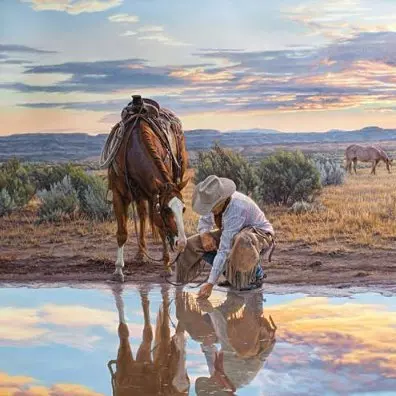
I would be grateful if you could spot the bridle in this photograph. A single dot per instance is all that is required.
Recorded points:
(161, 209)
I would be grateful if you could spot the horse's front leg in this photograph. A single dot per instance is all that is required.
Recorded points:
(144, 352)
(142, 250)
(165, 257)
(120, 206)
(373, 167)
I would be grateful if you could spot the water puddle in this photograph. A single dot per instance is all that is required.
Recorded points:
(157, 341)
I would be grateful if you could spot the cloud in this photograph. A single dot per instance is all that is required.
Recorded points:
(128, 33)
(123, 18)
(348, 335)
(150, 29)
(359, 72)
(163, 38)
(15, 62)
(104, 105)
(342, 18)
(15, 48)
(107, 76)
(12, 385)
(36, 326)
(73, 7)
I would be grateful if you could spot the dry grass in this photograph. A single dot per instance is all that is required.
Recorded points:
(360, 213)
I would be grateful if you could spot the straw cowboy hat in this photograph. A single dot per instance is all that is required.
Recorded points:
(210, 192)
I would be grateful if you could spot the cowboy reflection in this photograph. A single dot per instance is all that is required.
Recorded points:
(245, 336)
(158, 369)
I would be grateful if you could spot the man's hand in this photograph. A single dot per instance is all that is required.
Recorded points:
(208, 242)
(205, 291)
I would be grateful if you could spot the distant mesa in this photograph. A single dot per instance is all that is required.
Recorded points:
(79, 146)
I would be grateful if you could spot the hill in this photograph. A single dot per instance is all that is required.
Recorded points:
(79, 146)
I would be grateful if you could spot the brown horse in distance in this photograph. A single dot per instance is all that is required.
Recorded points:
(356, 152)
(146, 165)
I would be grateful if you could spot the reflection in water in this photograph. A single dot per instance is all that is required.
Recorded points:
(160, 370)
(324, 345)
(245, 336)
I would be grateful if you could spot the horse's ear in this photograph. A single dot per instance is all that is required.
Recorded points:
(183, 183)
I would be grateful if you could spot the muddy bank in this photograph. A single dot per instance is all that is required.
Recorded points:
(291, 265)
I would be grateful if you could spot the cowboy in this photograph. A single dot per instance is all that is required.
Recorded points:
(235, 248)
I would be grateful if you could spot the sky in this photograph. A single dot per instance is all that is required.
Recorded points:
(290, 65)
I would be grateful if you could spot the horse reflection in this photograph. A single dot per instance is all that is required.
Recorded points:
(155, 371)
(245, 336)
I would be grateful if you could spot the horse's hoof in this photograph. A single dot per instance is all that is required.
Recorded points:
(117, 277)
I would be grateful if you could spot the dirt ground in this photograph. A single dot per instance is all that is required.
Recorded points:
(292, 264)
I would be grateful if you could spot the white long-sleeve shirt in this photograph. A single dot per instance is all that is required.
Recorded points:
(241, 212)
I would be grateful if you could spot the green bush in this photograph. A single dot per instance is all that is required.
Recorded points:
(59, 203)
(7, 204)
(94, 204)
(43, 177)
(226, 163)
(14, 178)
(288, 177)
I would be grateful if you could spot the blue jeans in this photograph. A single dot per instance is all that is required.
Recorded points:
(210, 256)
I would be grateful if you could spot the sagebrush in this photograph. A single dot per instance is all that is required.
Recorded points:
(331, 171)
(58, 203)
(287, 177)
(227, 163)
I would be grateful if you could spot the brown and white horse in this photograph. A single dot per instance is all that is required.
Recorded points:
(143, 172)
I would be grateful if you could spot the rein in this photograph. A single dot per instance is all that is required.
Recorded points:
(190, 280)
(138, 242)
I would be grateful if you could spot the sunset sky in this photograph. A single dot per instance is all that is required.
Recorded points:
(291, 65)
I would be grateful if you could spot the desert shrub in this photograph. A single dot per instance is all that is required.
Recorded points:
(94, 204)
(226, 163)
(14, 178)
(331, 171)
(7, 204)
(47, 176)
(59, 203)
(300, 207)
(43, 177)
(287, 177)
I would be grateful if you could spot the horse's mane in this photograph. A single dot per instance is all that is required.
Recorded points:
(384, 155)
(151, 142)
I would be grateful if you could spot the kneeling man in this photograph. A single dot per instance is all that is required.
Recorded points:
(234, 249)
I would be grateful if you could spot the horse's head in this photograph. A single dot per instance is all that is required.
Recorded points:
(169, 209)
